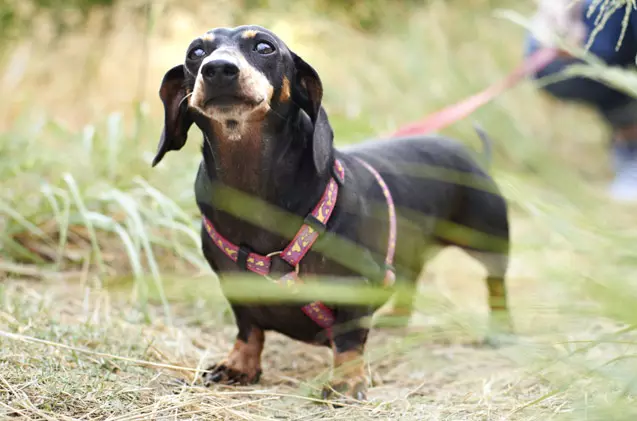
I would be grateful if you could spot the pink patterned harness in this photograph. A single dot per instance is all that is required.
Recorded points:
(313, 226)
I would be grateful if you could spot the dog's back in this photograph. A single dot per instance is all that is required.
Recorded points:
(437, 151)
(433, 175)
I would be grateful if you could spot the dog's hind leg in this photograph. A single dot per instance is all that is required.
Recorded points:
(484, 234)
(500, 330)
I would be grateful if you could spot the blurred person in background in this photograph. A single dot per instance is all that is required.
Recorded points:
(567, 21)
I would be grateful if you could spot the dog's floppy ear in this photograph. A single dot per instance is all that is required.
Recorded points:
(176, 119)
(308, 94)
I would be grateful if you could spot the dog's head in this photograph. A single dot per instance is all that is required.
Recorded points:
(236, 78)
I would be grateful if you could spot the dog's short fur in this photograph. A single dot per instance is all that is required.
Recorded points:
(266, 134)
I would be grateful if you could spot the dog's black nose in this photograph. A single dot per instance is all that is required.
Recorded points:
(220, 71)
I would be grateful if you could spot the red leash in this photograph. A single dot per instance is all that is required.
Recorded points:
(460, 110)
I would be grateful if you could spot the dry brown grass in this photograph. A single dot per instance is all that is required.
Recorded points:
(423, 378)
(80, 351)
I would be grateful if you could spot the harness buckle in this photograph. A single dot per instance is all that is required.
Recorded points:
(242, 256)
(313, 222)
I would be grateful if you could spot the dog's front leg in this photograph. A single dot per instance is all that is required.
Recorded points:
(243, 364)
(348, 378)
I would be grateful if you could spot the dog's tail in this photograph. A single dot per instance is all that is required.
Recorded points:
(487, 144)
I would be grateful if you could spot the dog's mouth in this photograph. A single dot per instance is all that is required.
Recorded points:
(230, 100)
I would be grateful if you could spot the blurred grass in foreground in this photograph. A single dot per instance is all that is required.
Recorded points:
(81, 210)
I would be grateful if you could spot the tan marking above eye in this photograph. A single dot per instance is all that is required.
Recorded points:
(208, 37)
(285, 90)
(250, 33)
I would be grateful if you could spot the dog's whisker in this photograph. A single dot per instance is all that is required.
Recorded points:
(185, 98)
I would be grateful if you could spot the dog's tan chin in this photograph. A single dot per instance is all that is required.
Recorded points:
(239, 112)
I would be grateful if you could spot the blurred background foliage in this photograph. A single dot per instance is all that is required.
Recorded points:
(19, 17)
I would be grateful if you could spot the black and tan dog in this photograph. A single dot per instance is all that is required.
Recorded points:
(266, 134)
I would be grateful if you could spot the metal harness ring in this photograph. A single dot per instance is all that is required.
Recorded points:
(297, 268)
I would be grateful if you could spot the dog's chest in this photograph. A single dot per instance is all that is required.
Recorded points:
(287, 319)
(254, 296)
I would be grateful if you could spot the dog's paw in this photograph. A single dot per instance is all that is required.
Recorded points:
(223, 373)
(243, 364)
(347, 390)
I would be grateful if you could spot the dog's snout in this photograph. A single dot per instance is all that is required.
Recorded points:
(220, 70)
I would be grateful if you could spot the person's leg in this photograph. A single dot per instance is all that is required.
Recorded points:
(621, 114)
(624, 121)
(618, 109)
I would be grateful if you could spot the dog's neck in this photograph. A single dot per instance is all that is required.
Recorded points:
(277, 169)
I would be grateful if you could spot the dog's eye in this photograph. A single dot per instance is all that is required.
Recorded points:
(196, 53)
(264, 48)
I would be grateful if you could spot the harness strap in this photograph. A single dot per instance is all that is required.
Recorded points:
(390, 272)
(309, 232)
(253, 262)
(301, 244)
(313, 226)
